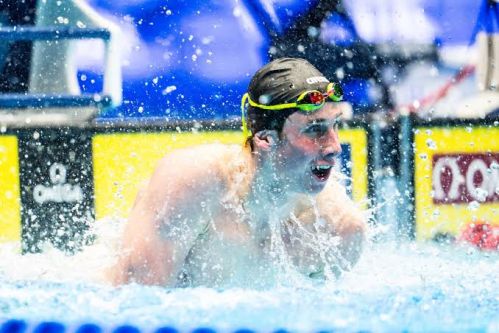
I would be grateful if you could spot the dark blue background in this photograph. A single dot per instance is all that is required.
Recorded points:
(195, 58)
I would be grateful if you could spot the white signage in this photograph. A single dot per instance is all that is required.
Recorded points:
(59, 191)
(462, 174)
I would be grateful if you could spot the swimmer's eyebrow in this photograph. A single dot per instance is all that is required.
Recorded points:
(324, 120)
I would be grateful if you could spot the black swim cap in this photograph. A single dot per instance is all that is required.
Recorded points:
(280, 81)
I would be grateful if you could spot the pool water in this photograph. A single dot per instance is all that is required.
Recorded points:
(395, 286)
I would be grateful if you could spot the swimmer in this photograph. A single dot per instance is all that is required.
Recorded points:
(208, 214)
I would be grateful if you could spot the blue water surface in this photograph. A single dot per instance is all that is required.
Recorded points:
(395, 287)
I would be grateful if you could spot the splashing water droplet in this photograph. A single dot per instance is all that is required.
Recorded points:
(264, 99)
(473, 206)
(431, 144)
(169, 89)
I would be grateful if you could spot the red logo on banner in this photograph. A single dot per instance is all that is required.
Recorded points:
(463, 178)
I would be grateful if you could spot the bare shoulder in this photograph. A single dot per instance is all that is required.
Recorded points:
(199, 161)
(339, 216)
(334, 202)
(196, 169)
(334, 189)
(213, 154)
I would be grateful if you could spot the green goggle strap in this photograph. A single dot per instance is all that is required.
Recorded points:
(272, 107)
(246, 133)
(246, 97)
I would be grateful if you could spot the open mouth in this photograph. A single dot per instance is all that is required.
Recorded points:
(321, 172)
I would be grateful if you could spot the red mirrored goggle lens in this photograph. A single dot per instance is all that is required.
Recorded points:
(312, 97)
(316, 98)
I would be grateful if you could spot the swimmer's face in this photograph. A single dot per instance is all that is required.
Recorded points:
(308, 147)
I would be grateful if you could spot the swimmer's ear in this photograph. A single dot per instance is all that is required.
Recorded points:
(266, 139)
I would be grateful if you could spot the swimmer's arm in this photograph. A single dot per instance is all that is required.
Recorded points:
(344, 220)
(166, 220)
(338, 217)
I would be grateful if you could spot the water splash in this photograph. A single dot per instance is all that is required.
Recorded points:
(395, 286)
(89, 265)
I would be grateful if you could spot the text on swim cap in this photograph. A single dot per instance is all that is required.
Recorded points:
(316, 79)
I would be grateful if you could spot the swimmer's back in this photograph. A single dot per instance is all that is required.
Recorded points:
(227, 163)
(186, 185)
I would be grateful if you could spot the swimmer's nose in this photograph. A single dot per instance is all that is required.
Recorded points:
(329, 157)
(331, 147)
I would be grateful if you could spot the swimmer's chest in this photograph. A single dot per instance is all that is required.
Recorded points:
(226, 254)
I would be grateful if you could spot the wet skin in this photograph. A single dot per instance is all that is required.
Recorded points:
(309, 143)
(206, 216)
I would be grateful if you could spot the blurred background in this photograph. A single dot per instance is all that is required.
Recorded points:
(194, 59)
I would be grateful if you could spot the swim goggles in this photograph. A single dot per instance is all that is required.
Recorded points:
(308, 102)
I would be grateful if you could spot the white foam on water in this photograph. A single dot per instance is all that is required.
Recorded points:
(395, 286)
(387, 263)
(90, 265)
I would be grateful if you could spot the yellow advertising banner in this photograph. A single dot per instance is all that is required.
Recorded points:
(124, 161)
(456, 179)
(355, 139)
(10, 206)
